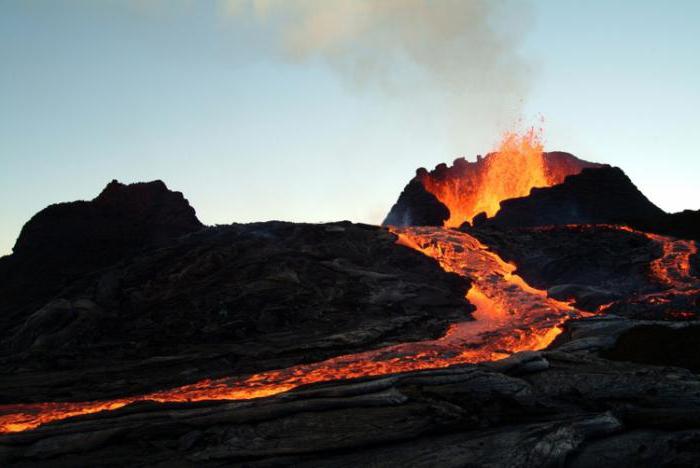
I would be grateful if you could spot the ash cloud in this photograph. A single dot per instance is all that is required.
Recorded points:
(462, 55)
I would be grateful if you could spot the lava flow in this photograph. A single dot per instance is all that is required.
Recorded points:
(511, 316)
(515, 168)
(672, 270)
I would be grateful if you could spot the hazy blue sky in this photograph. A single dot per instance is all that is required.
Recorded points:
(262, 111)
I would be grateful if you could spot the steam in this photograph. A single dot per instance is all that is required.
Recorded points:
(460, 54)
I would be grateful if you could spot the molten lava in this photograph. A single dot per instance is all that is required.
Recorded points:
(515, 168)
(672, 270)
(511, 316)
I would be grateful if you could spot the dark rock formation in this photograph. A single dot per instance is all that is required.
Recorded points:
(67, 240)
(601, 195)
(594, 265)
(659, 345)
(565, 407)
(120, 220)
(685, 224)
(416, 207)
(229, 300)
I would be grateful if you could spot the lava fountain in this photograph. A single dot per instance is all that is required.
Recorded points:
(517, 166)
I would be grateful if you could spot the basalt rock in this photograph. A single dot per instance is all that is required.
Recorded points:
(417, 207)
(228, 300)
(67, 240)
(578, 410)
(595, 265)
(596, 195)
(684, 224)
(119, 221)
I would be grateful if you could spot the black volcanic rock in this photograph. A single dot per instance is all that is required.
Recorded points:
(684, 224)
(596, 195)
(121, 219)
(565, 407)
(416, 207)
(229, 300)
(67, 240)
(595, 265)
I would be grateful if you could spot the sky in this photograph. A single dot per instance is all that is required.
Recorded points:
(316, 111)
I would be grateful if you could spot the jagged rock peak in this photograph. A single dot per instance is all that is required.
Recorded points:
(596, 195)
(123, 216)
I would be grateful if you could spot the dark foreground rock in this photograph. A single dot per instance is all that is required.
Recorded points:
(417, 207)
(227, 300)
(601, 268)
(564, 407)
(593, 264)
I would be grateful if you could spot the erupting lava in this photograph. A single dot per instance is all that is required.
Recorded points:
(511, 316)
(673, 271)
(515, 168)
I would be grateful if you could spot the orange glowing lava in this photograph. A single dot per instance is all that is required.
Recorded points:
(671, 270)
(511, 316)
(517, 166)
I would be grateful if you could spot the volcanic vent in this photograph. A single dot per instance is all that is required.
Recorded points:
(450, 196)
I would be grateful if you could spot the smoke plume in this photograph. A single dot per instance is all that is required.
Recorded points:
(462, 54)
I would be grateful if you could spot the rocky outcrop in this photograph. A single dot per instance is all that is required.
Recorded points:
(684, 224)
(596, 265)
(121, 219)
(229, 300)
(601, 266)
(600, 195)
(416, 207)
(67, 240)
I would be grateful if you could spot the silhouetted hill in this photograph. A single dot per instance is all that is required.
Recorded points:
(595, 196)
(416, 207)
(66, 240)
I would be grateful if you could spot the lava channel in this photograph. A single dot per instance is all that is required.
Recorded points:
(510, 316)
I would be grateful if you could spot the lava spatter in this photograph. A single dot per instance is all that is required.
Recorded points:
(517, 166)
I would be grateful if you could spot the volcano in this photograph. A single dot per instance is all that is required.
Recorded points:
(528, 308)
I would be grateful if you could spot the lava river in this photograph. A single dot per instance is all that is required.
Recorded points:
(511, 316)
